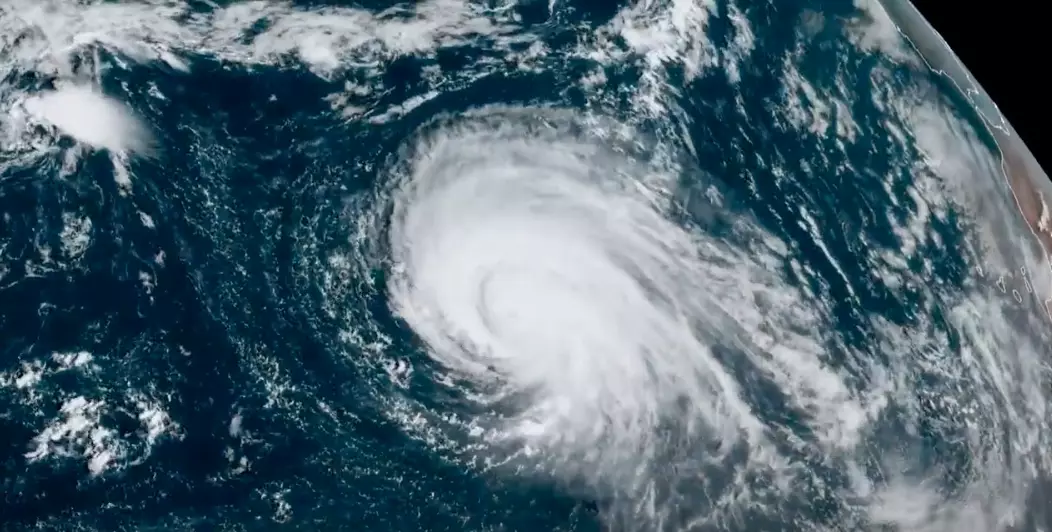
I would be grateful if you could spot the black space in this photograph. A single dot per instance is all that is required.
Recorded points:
(1006, 47)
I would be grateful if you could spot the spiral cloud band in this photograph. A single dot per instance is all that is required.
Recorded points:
(543, 264)
(609, 320)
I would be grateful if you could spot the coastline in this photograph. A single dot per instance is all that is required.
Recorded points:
(1028, 184)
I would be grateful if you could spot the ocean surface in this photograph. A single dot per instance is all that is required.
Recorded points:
(510, 266)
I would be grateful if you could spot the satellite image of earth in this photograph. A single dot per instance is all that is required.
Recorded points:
(514, 265)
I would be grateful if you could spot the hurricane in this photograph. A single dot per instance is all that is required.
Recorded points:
(654, 265)
(543, 265)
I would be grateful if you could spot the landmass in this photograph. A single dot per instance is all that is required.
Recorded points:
(1028, 197)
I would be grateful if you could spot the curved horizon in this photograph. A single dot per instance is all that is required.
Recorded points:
(1023, 175)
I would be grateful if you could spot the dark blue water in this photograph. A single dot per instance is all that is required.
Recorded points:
(249, 194)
